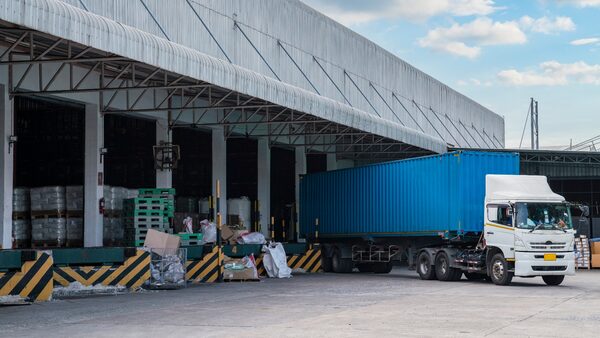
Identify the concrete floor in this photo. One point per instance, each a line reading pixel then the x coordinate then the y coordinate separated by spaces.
pixel 398 304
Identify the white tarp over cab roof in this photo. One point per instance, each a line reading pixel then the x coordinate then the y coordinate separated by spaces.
pixel 519 187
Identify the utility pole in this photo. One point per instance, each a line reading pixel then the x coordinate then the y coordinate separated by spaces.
pixel 535 131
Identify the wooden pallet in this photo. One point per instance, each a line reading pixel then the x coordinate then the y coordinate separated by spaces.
pixel 48 214
pixel 20 215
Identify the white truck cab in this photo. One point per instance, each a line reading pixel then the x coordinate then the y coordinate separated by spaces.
pixel 528 230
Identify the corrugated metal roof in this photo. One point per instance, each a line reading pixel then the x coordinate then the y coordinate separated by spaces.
pixel 71 23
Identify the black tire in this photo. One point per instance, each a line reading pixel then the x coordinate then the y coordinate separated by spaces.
pixel 326 263
pixel 553 280
pixel 474 276
pixel 424 267
pixel 498 270
pixel 382 267
pixel 443 271
pixel 341 265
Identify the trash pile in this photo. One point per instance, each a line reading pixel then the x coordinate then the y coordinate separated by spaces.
pixel 78 289
pixel 240 269
pixel 167 264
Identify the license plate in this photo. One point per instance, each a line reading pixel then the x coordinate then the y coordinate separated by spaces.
pixel 549 257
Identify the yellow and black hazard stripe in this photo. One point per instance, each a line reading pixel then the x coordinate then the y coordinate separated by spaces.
pixel 33 282
pixel 131 274
pixel 310 261
pixel 260 266
pixel 206 270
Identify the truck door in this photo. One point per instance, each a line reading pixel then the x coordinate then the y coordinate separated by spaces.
pixel 499 229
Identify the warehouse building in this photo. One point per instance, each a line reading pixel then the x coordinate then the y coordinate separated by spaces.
pixel 137 94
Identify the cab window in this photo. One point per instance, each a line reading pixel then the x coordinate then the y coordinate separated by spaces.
pixel 499 214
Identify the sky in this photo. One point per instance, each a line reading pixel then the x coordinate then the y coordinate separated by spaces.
pixel 500 53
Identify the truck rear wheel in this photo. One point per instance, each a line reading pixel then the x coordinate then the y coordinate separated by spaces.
pixel 424 266
pixel 498 270
pixel 443 271
pixel 341 265
pixel 553 280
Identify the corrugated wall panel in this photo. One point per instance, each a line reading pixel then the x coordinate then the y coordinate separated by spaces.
pixel 420 196
pixel 305 34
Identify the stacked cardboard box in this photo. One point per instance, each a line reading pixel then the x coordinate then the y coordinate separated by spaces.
pixel 582 259
pixel 595 254
pixel 21 219
pixel 48 218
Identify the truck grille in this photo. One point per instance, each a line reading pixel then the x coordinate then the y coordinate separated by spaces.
pixel 549 268
pixel 548 246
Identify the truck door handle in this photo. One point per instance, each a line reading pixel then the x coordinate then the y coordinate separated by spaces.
pixel 490 233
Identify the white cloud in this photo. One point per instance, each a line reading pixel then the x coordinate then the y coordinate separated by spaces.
pixel 581 3
pixel 350 12
pixel 553 73
pixel 585 42
pixel 474 82
pixel 466 39
pixel 547 25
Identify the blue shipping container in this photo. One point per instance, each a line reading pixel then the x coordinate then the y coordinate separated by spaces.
pixel 423 196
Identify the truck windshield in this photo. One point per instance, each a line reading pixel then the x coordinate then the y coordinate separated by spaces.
pixel 543 216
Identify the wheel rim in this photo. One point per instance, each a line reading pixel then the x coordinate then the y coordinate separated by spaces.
pixel 443 265
pixel 424 265
pixel 498 269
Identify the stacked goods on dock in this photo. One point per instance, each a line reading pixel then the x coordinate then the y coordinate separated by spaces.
pixel 114 228
pixel 152 209
pixel 186 207
pixel 204 208
pixel 74 199
pixel 48 218
pixel 239 211
pixel 21 229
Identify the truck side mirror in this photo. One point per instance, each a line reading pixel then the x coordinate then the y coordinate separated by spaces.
pixel 509 211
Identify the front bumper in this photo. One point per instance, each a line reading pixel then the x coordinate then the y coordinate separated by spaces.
pixel 533 264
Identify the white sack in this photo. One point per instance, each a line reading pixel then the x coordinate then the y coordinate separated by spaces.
pixel 275 261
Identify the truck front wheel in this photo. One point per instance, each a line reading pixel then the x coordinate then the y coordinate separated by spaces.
pixel 424 266
pixel 553 280
pixel 498 270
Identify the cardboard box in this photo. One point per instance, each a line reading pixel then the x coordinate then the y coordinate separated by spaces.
pixel 595 248
pixel 596 261
pixel 233 270
pixel 162 243
pixel 226 233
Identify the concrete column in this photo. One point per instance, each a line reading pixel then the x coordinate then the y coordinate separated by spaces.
pixel 219 169
pixel 300 154
pixel 264 184
pixel 6 168
pixel 94 176
pixel 164 178
pixel 331 162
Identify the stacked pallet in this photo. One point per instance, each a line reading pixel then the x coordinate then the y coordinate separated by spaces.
pixel 113 227
pixel 190 239
pixel 21 221
pixel 74 199
pixel 48 217
pixel 582 257
pixel 153 209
